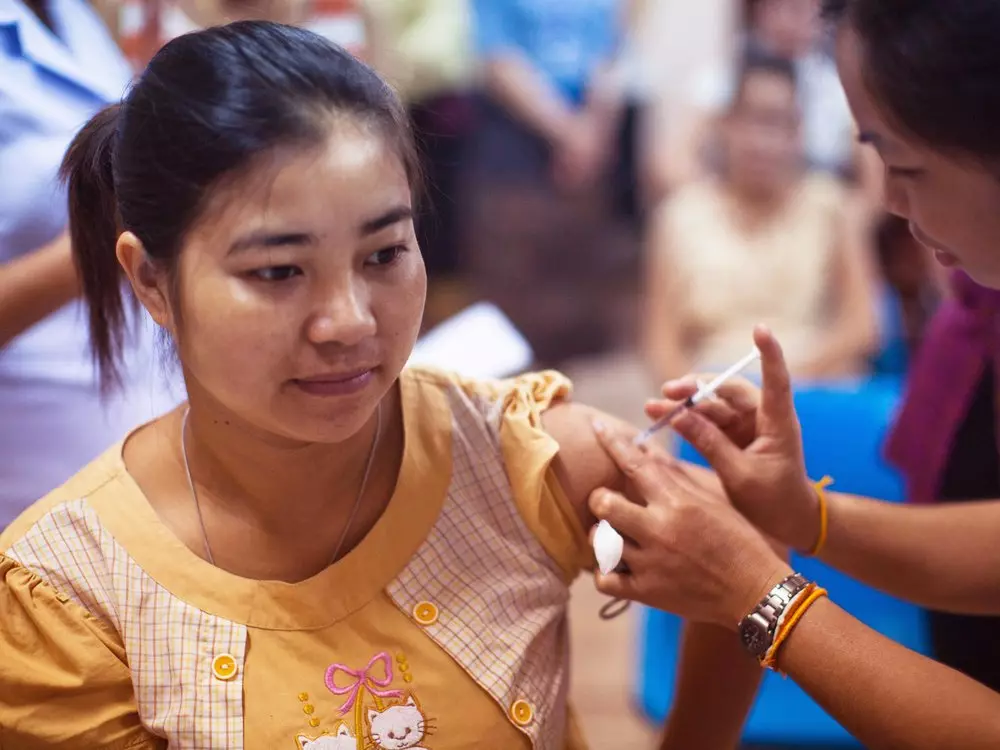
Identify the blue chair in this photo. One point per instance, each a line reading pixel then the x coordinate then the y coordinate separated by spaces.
pixel 843 430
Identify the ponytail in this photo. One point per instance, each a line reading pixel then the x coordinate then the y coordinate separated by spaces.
pixel 94 225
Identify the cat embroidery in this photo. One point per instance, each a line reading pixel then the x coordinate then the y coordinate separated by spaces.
pixel 399 727
pixel 343 740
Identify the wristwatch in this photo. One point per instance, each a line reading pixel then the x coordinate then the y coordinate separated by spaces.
pixel 757 628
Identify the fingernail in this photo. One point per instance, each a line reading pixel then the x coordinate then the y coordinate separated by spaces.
pixel 599 426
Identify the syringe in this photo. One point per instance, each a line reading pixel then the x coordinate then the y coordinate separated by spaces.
pixel 703 392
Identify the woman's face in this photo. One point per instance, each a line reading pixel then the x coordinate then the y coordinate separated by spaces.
pixel 762 141
pixel 789 28
pixel 301 289
pixel 953 205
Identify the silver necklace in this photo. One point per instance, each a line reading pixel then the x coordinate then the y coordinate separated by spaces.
pixel 350 519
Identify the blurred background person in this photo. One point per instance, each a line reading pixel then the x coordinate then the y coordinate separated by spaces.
pixel 58 65
pixel 423 47
pixel 793 30
pixel 768 240
pixel 545 240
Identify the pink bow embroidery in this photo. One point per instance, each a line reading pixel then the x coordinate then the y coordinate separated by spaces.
pixel 362 679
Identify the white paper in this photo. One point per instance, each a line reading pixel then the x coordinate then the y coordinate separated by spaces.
pixel 479 342
pixel 608 547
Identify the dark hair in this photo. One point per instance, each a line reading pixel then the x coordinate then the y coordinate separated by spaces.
pixel 933 67
pixel 755 61
pixel 208 104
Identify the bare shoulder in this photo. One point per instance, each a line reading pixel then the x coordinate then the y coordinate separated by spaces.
pixel 582 465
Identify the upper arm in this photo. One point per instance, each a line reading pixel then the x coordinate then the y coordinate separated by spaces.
pixel 581 465
pixel 64 678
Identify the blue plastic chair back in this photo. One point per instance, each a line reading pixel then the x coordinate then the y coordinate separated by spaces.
pixel 843 430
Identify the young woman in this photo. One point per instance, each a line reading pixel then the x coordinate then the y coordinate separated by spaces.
pixel 319 549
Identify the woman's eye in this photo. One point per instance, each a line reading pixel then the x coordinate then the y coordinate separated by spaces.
pixel 276 273
pixel 386 257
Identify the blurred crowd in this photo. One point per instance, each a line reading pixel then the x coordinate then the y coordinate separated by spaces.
pixel 611 196
pixel 636 180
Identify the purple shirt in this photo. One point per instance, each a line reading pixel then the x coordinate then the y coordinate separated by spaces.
pixel 961 339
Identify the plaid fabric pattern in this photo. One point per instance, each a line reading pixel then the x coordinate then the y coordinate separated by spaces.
pixel 502 600
pixel 170 644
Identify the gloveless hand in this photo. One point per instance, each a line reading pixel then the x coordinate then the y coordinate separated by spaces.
pixel 752 438
pixel 688 551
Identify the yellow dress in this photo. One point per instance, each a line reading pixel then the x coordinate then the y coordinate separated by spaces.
pixel 444 629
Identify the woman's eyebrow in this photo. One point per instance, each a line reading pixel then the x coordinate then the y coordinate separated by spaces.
pixel 392 216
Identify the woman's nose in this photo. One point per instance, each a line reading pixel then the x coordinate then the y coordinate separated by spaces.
pixel 343 316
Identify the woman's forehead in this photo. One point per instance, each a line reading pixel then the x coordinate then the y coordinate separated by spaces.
pixel 347 175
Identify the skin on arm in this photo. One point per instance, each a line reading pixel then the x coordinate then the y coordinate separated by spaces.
pixel 34 286
pixel 708 712
pixel 943 557
pixel 517 85
pixel 663 324
pixel 884 694
pixel 853 333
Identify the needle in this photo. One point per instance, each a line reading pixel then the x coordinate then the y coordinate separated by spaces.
pixel 703 392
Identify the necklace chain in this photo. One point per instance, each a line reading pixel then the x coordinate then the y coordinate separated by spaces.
pixel 350 519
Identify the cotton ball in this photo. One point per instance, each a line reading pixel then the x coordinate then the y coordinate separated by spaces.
pixel 608 547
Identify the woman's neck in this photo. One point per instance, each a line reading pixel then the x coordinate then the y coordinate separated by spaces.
pixel 276 480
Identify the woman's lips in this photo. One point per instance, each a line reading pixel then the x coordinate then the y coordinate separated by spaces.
pixel 336 384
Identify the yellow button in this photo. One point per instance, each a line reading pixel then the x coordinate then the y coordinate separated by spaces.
pixel 425 613
pixel 224 667
pixel 522 713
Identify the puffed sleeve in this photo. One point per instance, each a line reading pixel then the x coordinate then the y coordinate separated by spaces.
pixel 528 451
pixel 64 678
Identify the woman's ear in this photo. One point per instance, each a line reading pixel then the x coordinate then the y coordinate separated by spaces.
pixel 149 282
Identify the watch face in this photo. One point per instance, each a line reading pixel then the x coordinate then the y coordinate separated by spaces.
pixel 754 636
